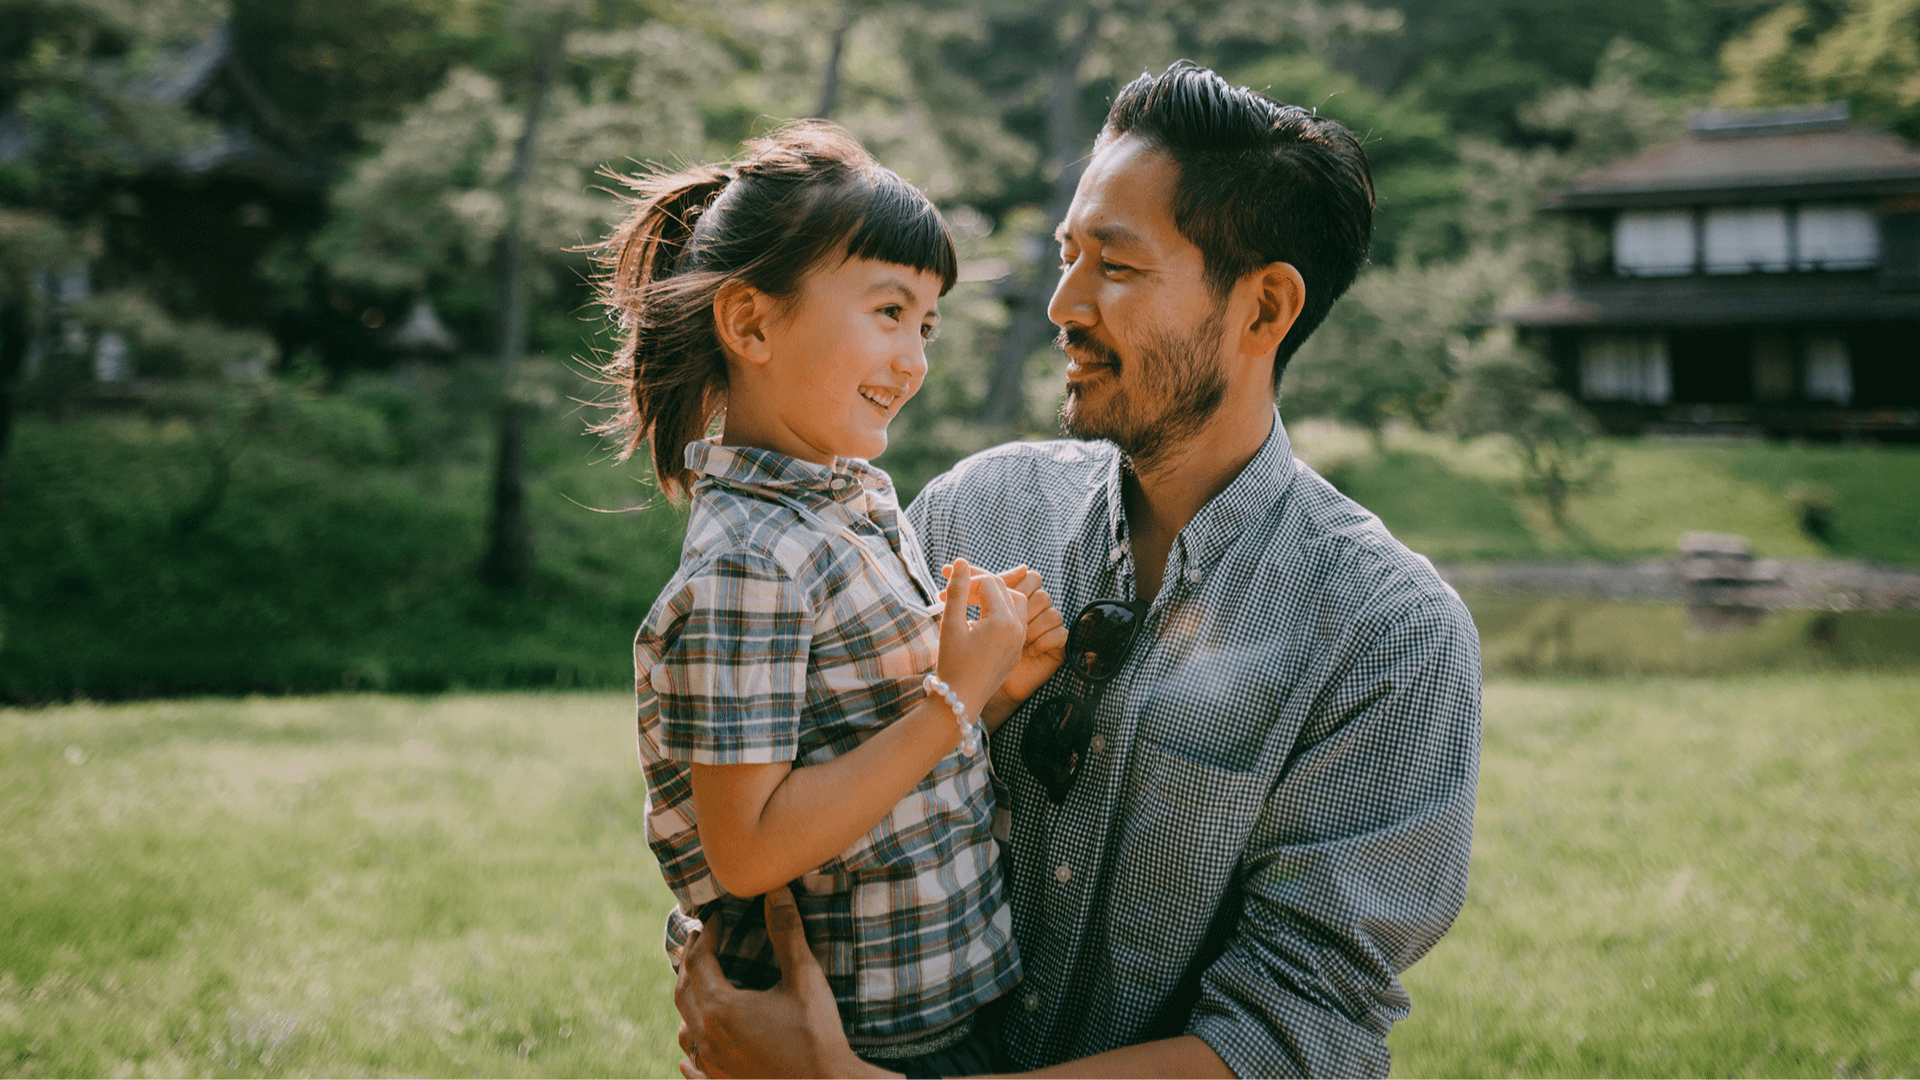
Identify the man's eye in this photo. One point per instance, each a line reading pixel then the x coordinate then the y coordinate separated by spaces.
pixel 1112 267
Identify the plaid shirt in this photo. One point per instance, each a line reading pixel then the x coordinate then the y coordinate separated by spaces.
pixel 1274 818
pixel 780 640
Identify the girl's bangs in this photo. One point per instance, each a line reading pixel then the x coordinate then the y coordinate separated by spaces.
pixel 896 224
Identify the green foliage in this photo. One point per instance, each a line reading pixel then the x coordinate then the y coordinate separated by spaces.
pixel 312 541
pixel 1869 57
pixel 1503 391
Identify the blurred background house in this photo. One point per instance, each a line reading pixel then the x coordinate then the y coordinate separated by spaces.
pixel 1761 275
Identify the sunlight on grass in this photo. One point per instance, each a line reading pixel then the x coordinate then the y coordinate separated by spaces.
pixel 1686 878
pixel 1671 877
pixel 347 885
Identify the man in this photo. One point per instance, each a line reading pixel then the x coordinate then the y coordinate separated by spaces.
pixel 1267 817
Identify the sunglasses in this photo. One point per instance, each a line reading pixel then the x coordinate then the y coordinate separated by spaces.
pixel 1056 739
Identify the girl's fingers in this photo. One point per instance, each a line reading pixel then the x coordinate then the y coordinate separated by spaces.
pixel 959 583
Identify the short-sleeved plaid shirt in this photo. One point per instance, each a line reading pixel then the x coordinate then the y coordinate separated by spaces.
pixel 1274 816
pixel 781 639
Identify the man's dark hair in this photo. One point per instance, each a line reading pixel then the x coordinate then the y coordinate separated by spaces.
pixel 1260 182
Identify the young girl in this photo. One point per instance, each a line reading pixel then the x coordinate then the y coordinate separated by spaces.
pixel 806 709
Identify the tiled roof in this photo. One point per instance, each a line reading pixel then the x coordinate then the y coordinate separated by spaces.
pixel 1705 168
pixel 1743 299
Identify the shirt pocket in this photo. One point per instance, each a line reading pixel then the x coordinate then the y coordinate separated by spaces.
pixel 1182 827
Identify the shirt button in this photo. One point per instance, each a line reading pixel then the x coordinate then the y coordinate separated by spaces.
pixel 838 483
pixel 1097 743
pixel 1031 1003
pixel 1118 553
pixel 1063 873
pixel 1193 577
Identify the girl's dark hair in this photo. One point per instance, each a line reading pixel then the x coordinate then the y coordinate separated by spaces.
pixel 803 195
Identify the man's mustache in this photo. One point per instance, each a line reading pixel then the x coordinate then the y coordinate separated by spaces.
pixel 1080 340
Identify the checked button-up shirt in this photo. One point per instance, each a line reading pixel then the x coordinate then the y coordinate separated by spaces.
pixel 798 624
pixel 1274 816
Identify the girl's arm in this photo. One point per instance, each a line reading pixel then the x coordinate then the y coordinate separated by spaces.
pixel 761 826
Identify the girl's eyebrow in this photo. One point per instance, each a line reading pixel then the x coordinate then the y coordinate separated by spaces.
pixel 895 285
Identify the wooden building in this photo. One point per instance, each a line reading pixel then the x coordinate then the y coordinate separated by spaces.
pixel 1759 276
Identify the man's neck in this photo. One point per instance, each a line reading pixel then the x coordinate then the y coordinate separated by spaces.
pixel 1163 494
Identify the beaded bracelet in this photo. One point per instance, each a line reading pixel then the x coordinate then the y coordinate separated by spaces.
pixel 969 731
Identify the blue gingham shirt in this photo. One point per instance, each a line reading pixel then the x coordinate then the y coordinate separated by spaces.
pixel 1275 815
pixel 799 623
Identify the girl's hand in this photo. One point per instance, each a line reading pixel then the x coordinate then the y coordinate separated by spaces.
pixel 1040 656
pixel 977 655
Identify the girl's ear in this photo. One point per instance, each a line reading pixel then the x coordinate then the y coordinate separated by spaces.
pixel 740 315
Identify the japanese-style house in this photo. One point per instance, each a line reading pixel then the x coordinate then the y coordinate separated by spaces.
pixel 1762 276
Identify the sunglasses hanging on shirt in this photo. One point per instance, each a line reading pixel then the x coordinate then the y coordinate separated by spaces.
pixel 1061 728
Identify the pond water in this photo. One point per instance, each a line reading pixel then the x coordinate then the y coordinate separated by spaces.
pixel 1528 635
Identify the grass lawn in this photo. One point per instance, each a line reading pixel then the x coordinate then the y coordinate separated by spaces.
pixel 1671 877
pixel 1455 501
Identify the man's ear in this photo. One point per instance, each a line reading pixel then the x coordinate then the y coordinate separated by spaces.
pixel 741 314
pixel 1279 294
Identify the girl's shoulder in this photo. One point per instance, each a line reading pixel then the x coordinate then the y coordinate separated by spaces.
pixel 727 526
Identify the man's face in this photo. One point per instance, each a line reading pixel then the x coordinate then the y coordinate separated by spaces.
pixel 1141 329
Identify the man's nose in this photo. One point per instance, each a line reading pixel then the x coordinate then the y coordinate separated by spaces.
pixel 1072 303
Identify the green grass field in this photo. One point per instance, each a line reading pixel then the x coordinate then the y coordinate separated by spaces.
pixel 1671 877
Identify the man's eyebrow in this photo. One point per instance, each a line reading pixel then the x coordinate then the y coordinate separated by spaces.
pixel 1108 233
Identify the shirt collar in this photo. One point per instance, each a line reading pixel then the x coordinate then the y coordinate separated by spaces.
pixel 1259 485
pixel 783 474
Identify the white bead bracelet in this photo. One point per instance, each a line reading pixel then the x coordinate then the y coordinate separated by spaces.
pixel 969 731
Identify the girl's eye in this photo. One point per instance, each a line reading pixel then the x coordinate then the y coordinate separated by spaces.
pixel 929 331
pixel 892 311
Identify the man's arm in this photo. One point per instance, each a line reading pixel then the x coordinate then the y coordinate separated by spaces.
pixel 1358 863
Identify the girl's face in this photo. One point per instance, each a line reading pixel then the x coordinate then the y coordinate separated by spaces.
pixel 840 359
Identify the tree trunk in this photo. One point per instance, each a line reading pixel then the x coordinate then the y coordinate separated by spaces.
pixel 14 340
pixel 830 84
pixel 1006 400
pixel 508 563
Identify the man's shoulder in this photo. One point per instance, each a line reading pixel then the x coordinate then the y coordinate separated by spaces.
pixel 1356 558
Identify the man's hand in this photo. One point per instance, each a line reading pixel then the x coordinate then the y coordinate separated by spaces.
pixel 790 1030
pixel 1040 657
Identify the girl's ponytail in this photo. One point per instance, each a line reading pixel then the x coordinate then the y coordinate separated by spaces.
pixel 667 361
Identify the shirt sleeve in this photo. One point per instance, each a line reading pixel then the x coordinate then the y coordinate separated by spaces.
pixel 732 680
pixel 927 516
pixel 1358 863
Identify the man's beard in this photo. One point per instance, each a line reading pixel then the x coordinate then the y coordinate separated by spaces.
pixel 1180 387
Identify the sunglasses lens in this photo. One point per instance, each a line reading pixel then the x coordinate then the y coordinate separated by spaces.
pixel 1055 739
pixel 1101 638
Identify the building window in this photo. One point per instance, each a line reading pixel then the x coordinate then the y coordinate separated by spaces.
pixel 1829 369
pixel 1625 367
pixel 1653 242
pixel 1836 236
pixel 1742 239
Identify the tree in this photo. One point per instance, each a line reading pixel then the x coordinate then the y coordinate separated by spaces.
pixel 1868 57
pixel 488 188
pixel 1504 391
